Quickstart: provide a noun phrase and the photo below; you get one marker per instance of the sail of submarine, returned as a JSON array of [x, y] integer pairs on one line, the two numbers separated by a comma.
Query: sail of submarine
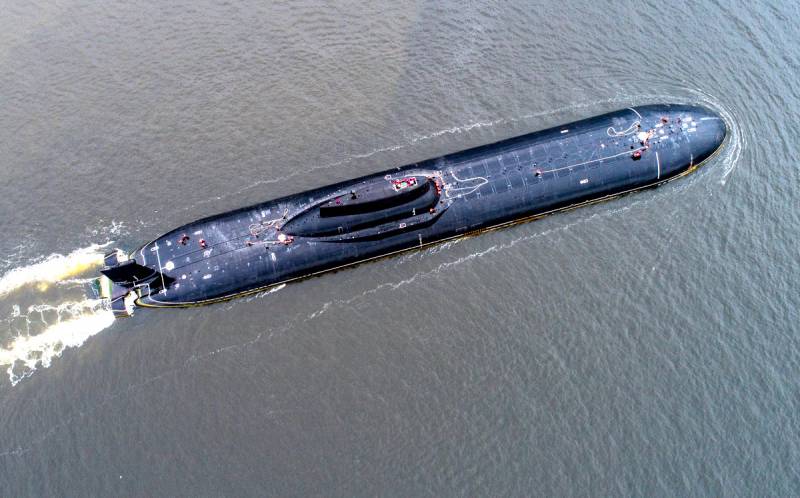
[[253, 248]]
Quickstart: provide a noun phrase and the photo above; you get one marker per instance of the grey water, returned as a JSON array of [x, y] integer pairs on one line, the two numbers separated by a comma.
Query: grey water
[[647, 346]]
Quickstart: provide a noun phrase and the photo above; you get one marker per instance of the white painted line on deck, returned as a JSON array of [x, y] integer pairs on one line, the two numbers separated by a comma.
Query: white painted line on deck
[[658, 163]]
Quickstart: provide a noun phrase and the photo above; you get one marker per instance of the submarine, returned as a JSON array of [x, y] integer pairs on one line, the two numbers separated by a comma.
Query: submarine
[[519, 179]]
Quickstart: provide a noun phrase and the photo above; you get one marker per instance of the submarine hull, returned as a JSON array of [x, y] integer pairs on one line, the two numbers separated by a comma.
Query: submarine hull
[[253, 248]]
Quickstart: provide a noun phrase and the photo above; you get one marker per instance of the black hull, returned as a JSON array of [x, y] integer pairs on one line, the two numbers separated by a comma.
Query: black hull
[[251, 249]]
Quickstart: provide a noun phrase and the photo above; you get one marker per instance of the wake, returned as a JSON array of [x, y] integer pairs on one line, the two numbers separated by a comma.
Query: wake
[[53, 269], [38, 333], [49, 330]]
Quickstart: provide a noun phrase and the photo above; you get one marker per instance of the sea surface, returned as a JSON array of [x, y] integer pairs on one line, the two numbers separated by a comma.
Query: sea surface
[[647, 346]]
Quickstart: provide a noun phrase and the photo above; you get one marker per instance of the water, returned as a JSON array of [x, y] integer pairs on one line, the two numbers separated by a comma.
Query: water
[[646, 346]]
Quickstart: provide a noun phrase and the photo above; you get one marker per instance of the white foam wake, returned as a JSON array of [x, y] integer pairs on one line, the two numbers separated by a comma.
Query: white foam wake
[[67, 325], [52, 269]]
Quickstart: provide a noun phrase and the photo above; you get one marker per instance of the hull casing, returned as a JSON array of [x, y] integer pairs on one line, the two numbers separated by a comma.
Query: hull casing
[[522, 178]]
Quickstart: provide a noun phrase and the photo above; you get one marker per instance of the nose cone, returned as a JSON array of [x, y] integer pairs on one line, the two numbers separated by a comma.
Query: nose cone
[[706, 129]]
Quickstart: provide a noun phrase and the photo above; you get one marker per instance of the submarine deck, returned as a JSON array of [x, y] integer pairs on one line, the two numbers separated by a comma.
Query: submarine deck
[[518, 179]]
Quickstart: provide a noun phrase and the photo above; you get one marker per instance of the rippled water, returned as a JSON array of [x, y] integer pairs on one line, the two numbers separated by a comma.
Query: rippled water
[[646, 346]]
